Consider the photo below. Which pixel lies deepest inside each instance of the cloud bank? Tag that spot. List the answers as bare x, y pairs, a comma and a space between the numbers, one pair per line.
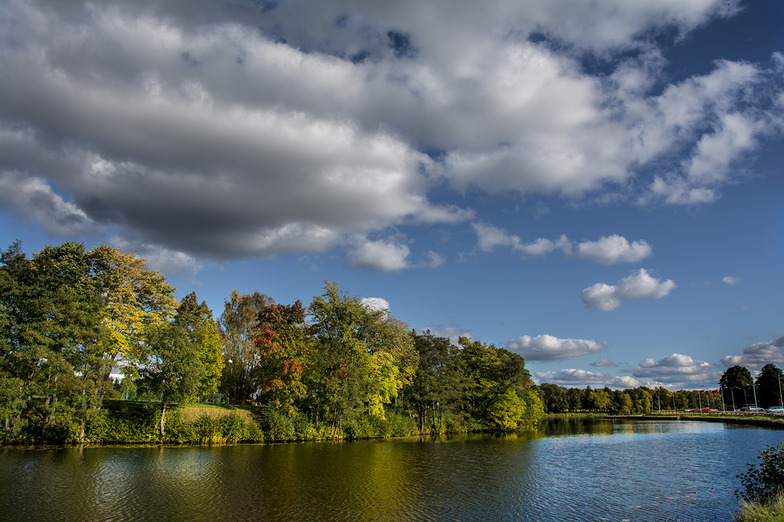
222, 130
572, 378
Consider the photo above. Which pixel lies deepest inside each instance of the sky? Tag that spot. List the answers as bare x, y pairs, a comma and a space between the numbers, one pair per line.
596, 186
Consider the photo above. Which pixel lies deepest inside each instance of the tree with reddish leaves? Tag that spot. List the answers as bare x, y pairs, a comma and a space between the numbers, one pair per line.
283, 348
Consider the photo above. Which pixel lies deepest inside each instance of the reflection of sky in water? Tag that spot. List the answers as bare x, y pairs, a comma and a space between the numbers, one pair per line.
613, 469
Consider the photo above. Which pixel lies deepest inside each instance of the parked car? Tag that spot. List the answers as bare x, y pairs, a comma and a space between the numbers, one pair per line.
751, 408
775, 409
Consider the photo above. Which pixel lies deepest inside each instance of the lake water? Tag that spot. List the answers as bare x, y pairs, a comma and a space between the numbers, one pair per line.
567, 470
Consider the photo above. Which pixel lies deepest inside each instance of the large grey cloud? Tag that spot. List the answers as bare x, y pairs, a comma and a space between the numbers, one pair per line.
225, 129
758, 354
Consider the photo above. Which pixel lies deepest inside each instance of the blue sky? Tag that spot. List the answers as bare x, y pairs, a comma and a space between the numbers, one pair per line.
596, 186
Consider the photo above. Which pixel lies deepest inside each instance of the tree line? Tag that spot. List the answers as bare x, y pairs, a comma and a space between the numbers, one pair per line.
72, 319
82, 328
737, 389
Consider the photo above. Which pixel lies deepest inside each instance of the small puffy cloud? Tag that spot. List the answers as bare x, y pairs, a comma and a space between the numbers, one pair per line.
758, 354
379, 255
604, 363
729, 280
377, 304
613, 249
581, 378
550, 348
489, 237
434, 259
676, 368
638, 285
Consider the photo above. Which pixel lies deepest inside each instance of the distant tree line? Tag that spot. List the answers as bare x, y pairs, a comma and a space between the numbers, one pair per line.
737, 389
80, 327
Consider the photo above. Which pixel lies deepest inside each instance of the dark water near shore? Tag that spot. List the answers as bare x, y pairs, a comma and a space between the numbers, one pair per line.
568, 470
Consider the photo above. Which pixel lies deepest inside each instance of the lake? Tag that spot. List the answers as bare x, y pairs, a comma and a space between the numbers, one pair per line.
567, 470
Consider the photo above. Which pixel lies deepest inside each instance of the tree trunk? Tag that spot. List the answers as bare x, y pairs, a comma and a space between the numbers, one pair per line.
163, 416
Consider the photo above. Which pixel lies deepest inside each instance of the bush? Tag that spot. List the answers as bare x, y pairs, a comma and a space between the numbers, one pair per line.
278, 427
764, 483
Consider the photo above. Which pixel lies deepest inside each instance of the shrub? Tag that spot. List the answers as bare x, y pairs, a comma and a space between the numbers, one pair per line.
764, 483
278, 427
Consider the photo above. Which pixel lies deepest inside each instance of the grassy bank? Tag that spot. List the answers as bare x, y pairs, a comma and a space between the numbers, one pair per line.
129, 422
770, 420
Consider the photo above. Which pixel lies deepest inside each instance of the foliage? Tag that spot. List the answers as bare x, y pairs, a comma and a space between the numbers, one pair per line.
764, 482
769, 382
497, 386
174, 371
202, 332
237, 326
282, 351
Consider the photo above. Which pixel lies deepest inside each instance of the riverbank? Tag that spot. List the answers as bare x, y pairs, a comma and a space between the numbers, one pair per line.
771, 421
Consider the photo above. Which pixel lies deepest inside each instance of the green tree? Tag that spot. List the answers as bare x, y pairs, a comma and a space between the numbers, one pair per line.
362, 356
555, 398
52, 334
497, 386
238, 331
735, 378
438, 384
173, 371
769, 383
196, 321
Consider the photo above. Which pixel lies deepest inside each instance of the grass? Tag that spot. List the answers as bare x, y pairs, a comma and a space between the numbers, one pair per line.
753, 512
192, 411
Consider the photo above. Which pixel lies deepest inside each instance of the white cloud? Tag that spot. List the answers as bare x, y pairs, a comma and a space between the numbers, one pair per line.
377, 304
582, 378
550, 348
730, 280
676, 369
638, 285
758, 354
489, 237
379, 255
434, 259
613, 249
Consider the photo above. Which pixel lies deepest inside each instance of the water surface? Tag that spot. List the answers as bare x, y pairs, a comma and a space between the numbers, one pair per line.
568, 470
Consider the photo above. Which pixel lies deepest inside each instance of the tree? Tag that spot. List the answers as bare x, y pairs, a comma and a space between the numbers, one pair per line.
770, 386
437, 384
358, 355
137, 299
555, 398
238, 334
51, 324
735, 378
173, 371
196, 321
283, 349
498, 386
